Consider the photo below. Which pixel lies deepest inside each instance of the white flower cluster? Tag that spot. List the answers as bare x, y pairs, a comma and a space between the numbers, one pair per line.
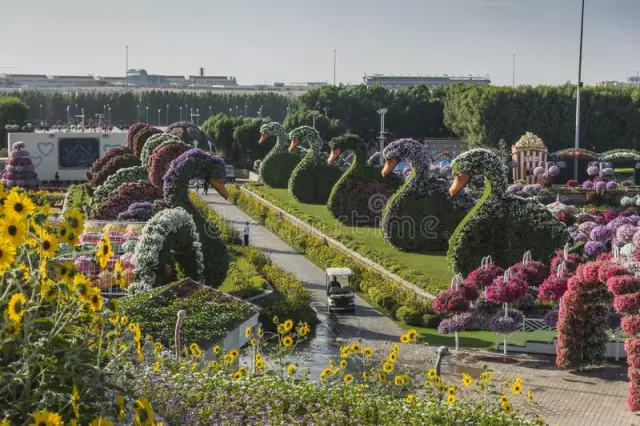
530, 141
151, 245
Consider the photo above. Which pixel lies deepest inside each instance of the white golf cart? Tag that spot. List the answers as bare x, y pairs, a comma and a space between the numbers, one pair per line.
340, 296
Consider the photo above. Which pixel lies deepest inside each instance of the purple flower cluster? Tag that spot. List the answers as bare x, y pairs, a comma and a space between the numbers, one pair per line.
600, 185
600, 233
551, 317
625, 233
587, 184
593, 248
458, 322
501, 324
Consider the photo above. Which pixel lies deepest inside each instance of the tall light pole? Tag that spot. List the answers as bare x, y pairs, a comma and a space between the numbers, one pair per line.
104, 112
577, 144
138, 112
41, 119
68, 117
210, 111
186, 108
382, 112
326, 111
313, 114
180, 112
237, 114
167, 114
109, 116
230, 113
147, 108
514, 71
159, 116
245, 109
335, 52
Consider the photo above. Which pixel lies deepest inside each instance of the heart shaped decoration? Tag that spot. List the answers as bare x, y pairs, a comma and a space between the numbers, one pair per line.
45, 148
36, 160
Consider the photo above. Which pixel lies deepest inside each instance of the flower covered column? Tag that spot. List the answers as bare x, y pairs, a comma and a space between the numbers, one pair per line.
19, 170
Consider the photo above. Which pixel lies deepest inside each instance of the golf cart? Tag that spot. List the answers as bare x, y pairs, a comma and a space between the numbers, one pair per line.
230, 174
340, 296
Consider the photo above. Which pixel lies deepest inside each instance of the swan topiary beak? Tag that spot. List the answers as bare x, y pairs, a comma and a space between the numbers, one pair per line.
389, 165
294, 143
218, 184
459, 182
263, 138
335, 153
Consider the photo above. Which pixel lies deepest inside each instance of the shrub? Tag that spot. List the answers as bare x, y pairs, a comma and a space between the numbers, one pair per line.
141, 138
152, 143
161, 160
188, 133
409, 316
133, 131
112, 166
113, 182
127, 194
111, 153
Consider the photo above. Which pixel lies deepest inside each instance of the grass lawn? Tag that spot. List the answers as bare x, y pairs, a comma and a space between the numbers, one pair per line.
434, 265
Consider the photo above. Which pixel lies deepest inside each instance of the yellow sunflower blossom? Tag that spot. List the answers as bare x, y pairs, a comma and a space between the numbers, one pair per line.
75, 401
95, 300
412, 334
381, 377
239, 374
466, 380
247, 332
156, 366
157, 347
15, 308
5, 422
260, 364
503, 399
410, 398
388, 367
348, 379
143, 412
392, 357
26, 271
432, 373
356, 348
304, 329
516, 388
46, 417
368, 352
451, 390
195, 350
14, 328
13, 230
287, 341
105, 251
530, 396
119, 406
101, 421
326, 373
405, 338
217, 350
7, 254
540, 421
292, 369
506, 407
288, 325
75, 220
18, 205
48, 245
451, 399
343, 364
119, 276
395, 347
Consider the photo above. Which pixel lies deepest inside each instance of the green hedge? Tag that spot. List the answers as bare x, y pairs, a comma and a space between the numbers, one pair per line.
78, 196
14, 111
390, 294
276, 169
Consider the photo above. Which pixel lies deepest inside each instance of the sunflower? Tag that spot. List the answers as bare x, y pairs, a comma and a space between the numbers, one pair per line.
368, 352
388, 367
348, 379
260, 364
83, 286
432, 373
392, 357
325, 373
410, 398
365, 375
71, 239
95, 300
63, 230
75, 401
5, 422
412, 334
287, 341
288, 325
234, 353
343, 364
14, 328
503, 399
15, 309
530, 396
101, 421
157, 347
451, 399
398, 380
143, 412
44, 209
452, 391
65, 272
516, 388
217, 350
157, 366
104, 252
466, 380
486, 377
14, 230
248, 331
195, 350
540, 421
381, 377
48, 245
356, 348
405, 338
303, 329
292, 368
506, 407
7, 254
46, 418
238, 374
26, 271
395, 347
75, 220
18, 205
119, 406
332, 363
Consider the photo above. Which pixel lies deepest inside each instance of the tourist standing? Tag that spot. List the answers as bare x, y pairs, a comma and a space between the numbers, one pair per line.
205, 187
246, 234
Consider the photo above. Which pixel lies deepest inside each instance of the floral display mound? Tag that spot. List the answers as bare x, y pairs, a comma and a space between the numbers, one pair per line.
363, 387
359, 197
313, 179
421, 215
97, 165
133, 131
189, 133
112, 166
152, 144
197, 164
142, 212
162, 158
276, 167
113, 182
127, 194
170, 237
19, 170
211, 314
499, 225
141, 137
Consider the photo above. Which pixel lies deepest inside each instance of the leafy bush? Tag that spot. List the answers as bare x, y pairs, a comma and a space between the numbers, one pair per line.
96, 167
133, 131
161, 160
12, 110
211, 314
152, 143
275, 169
128, 193
141, 137
112, 166
113, 182
410, 316
395, 296
78, 197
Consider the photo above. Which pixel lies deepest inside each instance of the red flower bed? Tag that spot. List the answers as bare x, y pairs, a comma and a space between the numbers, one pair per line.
483, 276
450, 301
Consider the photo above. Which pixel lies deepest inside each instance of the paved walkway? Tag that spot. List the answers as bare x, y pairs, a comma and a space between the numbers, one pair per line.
595, 397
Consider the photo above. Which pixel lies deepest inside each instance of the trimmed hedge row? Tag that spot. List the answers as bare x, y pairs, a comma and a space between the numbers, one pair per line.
399, 302
419, 278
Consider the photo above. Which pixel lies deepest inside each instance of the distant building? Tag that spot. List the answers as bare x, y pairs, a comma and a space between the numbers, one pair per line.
209, 81
454, 147
399, 82
633, 81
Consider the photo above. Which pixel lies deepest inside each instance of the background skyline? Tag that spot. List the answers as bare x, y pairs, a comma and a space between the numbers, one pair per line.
289, 41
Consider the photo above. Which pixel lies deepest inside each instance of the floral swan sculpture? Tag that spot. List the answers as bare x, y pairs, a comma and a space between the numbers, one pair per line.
276, 167
359, 197
313, 178
421, 215
503, 226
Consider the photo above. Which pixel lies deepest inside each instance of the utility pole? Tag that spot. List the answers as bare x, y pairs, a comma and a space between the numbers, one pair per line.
167, 114
382, 112
314, 113
514, 71
126, 71
334, 66
577, 142
326, 111
147, 108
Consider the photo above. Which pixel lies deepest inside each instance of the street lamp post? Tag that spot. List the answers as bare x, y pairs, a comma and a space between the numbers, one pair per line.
245, 110
147, 108
109, 117
230, 113
237, 111
104, 112
326, 111
577, 142
159, 116
167, 114
41, 120
210, 111
197, 116
382, 112
313, 114
260, 111
180, 112
138, 112
186, 108
68, 117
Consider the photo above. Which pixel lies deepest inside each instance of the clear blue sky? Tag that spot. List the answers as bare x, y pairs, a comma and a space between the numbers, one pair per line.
293, 40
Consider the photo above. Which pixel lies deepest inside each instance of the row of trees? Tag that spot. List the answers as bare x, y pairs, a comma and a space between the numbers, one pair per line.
484, 115
130, 107
12, 111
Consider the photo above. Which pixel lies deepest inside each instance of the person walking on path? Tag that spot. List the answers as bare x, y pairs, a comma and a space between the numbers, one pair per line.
205, 187
246, 233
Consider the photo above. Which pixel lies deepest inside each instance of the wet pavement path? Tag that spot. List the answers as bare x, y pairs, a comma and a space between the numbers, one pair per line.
595, 397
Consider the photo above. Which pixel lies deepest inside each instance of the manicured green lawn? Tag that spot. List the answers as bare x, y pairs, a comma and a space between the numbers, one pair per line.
434, 265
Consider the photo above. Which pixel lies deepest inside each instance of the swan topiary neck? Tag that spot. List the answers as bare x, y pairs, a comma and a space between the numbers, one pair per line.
481, 161
275, 129
348, 142
308, 136
414, 153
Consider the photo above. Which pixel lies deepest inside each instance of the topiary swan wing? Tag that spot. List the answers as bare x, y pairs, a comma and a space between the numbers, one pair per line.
499, 225
276, 167
421, 215
359, 196
197, 164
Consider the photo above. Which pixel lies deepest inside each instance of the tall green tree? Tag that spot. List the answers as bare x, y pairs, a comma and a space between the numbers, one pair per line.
12, 111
